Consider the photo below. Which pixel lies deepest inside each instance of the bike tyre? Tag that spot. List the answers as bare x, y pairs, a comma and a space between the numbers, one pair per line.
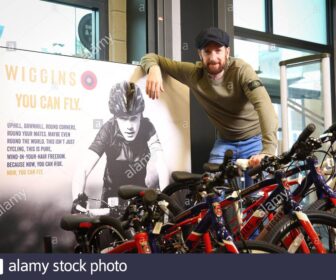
322, 204
180, 192
290, 222
173, 207
108, 234
255, 247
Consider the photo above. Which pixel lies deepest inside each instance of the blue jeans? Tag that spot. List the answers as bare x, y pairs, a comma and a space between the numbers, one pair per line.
241, 149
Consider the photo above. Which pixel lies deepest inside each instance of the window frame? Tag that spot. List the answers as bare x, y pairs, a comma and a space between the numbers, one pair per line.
99, 7
282, 41
269, 16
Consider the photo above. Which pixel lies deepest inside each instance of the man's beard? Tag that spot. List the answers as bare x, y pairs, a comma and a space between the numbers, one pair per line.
215, 71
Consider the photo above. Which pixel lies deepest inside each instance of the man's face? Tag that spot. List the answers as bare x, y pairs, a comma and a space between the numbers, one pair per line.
129, 126
214, 57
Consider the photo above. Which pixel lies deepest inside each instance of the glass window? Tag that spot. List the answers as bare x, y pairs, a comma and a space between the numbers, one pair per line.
249, 14
265, 58
303, 81
47, 27
301, 19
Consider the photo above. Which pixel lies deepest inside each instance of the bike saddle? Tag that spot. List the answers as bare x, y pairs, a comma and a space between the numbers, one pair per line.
131, 191
78, 221
212, 167
184, 177
148, 195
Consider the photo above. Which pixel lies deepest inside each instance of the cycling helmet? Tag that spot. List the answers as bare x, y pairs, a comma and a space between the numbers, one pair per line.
126, 99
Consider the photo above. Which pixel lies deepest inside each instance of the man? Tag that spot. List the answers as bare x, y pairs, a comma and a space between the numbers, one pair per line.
129, 141
230, 92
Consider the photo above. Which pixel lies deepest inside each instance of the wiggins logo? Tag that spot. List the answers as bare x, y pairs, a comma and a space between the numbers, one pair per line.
40, 75
89, 80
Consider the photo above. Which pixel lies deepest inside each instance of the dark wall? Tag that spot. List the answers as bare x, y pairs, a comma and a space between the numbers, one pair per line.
195, 16
136, 30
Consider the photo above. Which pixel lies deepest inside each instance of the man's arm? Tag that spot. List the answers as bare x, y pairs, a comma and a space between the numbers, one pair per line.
154, 84
82, 172
154, 64
259, 97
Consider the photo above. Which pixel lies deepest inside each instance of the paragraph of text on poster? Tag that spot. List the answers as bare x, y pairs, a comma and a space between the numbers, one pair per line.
30, 146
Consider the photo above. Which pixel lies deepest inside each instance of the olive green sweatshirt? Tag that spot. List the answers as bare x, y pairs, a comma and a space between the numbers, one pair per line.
235, 105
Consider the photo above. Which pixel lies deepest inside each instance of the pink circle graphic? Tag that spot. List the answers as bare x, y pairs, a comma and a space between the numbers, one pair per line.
89, 80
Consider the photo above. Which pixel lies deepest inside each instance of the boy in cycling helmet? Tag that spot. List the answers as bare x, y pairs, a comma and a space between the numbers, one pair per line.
129, 141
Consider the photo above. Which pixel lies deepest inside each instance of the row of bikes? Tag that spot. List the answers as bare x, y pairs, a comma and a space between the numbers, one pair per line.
210, 213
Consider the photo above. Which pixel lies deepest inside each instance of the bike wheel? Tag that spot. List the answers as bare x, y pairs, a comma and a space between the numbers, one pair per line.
323, 205
288, 232
107, 235
255, 247
173, 207
185, 194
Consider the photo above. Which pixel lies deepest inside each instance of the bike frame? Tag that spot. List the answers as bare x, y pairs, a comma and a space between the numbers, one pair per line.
315, 177
254, 218
208, 215
279, 188
140, 243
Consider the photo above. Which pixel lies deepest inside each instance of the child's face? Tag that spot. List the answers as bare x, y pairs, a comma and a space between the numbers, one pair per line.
129, 126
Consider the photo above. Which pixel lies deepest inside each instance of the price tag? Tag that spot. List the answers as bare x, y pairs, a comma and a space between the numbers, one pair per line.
157, 228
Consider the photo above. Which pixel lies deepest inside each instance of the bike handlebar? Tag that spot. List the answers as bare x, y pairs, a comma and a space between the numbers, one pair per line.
228, 157
286, 157
308, 130
304, 135
93, 211
99, 211
331, 129
256, 170
216, 167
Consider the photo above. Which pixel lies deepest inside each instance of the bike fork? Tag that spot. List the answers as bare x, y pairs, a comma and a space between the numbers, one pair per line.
222, 232
141, 241
308, 227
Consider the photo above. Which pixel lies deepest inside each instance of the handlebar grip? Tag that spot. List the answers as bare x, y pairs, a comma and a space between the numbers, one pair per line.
215, 167
150, 196
255, 170
331, 129
228, 156
309, 129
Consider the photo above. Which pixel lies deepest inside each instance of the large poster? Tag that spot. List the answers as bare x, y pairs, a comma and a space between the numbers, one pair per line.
52, 108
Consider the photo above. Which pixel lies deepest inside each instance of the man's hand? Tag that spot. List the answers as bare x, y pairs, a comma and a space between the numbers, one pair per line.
79, 204
154, 84
255, 160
